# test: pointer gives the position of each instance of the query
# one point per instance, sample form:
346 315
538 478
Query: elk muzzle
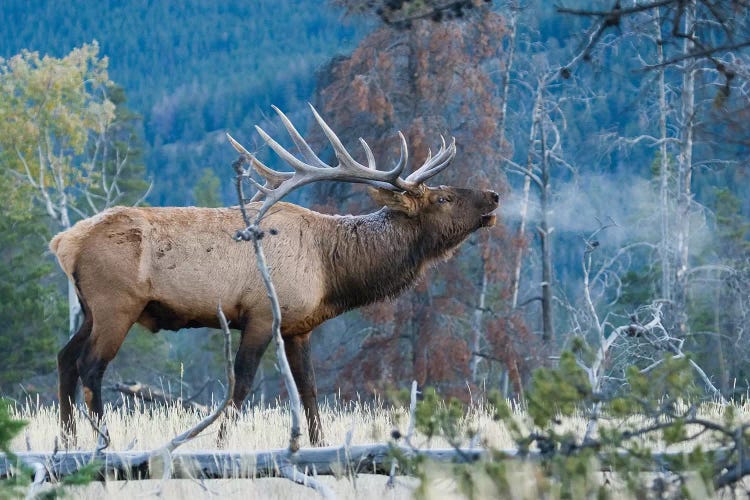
493 199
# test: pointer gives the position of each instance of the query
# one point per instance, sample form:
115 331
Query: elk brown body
169 268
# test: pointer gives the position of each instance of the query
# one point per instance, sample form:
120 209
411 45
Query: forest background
624 188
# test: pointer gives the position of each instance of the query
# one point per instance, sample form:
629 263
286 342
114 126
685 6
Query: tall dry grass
138 426
141 426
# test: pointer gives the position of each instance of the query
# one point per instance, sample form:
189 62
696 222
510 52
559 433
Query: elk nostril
495 196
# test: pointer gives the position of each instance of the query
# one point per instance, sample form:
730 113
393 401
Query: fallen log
154 395
218 464
130 465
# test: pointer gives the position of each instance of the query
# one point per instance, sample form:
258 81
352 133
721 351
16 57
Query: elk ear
394 200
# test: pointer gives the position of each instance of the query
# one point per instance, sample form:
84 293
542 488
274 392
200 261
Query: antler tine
370 157
273 178
403 158
349 164
302 145
285 155
345 159
434 164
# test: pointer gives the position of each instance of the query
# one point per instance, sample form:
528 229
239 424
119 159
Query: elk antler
279 184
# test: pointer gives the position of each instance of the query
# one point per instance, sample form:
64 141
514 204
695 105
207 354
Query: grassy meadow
138 426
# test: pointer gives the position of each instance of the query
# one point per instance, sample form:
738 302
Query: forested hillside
619 144
192 70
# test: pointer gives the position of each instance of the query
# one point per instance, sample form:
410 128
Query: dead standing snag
167 268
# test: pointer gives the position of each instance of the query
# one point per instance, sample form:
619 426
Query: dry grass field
143 427
140 427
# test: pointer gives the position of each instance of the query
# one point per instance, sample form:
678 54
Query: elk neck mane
376 256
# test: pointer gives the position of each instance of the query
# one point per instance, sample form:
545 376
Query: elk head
445 212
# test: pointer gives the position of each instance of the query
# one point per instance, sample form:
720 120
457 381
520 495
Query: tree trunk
214 464
513 23
526 190
477 324
721 361
75 313
479 311
330 461
545 231
684 176
664 206
58 212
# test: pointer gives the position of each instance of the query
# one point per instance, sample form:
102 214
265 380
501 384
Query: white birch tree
55 125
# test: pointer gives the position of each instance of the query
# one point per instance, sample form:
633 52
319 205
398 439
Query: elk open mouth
488 220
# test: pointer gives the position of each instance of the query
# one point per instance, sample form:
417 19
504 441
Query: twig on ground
409 432
40 477
289 471
352 472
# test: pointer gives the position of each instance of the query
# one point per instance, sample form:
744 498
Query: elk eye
442 200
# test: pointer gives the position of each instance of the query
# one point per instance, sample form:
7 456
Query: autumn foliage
430 79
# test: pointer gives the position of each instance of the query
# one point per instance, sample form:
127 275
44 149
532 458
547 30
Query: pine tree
32 312
207 192
425 78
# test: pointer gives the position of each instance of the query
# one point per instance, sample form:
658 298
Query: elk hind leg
67 370
106 338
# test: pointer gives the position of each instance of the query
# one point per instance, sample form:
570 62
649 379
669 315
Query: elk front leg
253 344
300 361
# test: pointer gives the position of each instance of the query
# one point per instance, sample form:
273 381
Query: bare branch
253 233
697 55
618 10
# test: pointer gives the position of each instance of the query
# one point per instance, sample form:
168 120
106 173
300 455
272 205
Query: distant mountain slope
192 69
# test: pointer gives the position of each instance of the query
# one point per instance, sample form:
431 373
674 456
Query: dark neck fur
373 257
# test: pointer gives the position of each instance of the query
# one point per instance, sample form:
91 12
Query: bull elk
168 268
